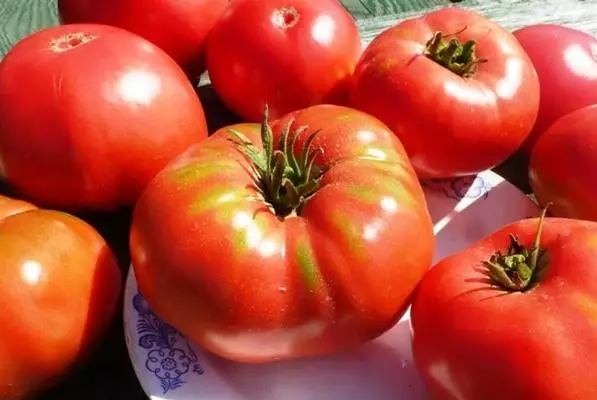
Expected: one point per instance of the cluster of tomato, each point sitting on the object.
(304, 230)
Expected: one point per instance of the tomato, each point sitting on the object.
(563, 165)
(490, 326)
(289, 53)
(60, 286)
(179, 27)
(282, 254)
(94, 118)
(460, 100)
(564, 59)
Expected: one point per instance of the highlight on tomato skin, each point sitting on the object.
(460, 101)
(111, 110)
(61, 287)
(284, 240)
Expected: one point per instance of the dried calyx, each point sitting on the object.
(285, 180)
(520, 268)
(460, 58)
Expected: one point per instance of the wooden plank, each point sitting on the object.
(19, 18)
(364, 9)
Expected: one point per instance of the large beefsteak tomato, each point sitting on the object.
(94, 118)
(512, 317)
(564, 59)
(306, 243)
(563, 166)
(290, 54)
(59, 289)
(457, 89)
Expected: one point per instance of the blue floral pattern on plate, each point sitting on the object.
(471, 187)
(169, 354)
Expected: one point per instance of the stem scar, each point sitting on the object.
(70, 41)
(460, 58)
(285, 180)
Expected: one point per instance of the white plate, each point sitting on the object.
(170, 368)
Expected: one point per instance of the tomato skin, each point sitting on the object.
(254, 288)
(90, 126)
(179, 27)
(567, 72)
(563, 166)
(472, 340)
(60, 289)
(450, 126)
(304, 60)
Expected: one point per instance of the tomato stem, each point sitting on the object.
(520, 268)
(453, 55)
(285, 180)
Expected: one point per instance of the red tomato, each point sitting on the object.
(261, 261)
(59, 289)
(460, 100)
(563, 166)
(179, 27)
(94, 118)
(511, 331)
(564, 59)
(290, 54)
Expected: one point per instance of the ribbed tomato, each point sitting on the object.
(303, 241)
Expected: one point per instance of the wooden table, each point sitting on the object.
(109, 375)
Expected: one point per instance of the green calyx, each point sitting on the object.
(520, 268)
(451, 54)
(285, 180)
